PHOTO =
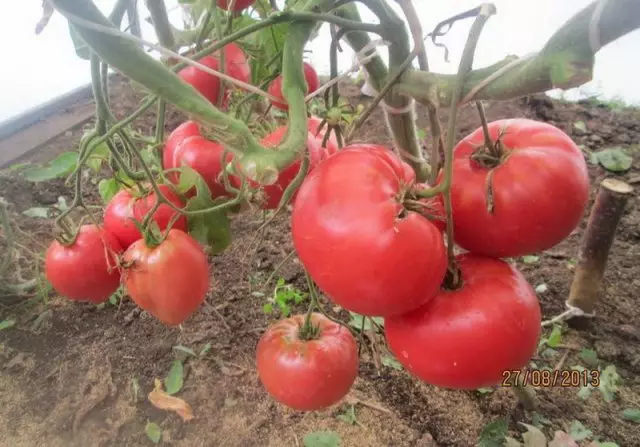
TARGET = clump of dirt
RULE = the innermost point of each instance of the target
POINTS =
(74, 374)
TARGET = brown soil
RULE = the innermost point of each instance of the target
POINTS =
(67, 370)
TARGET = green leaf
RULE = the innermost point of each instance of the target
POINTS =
(579, 432)
(533, 437)
(580, 125)
(349, 416)
(390, 361)
(185, 350)
(494, 434)
(267, 308)
(206, 348)
(153, 431)
(539, 420)
(61, 166)
(108, 188)
(484, 390)
(322, 439)
(530, 259)
(98, 155)
(614, 159)
(609, 381)
(555, 338)
(589, 356)
(174, 381)
(6, 324)
(79, 45)
(632, 414)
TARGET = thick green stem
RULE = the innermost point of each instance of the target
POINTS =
(161, 24)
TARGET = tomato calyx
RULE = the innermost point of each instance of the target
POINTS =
(453, 278)
(308, 331)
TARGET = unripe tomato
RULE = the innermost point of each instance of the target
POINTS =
(275, 88)
(529, 201)
(175, 138)
(87, 269)
(364, 249)
(239, 5)
(169, 281)
(124, 207)
(307, 375)
(468, 337)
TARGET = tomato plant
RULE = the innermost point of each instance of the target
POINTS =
(467, 338)
(127, 207)
(170, 280)
(176, 137)
(275, 88)
(308, 371)
(525, 199)
(239, 5)
(86, 269)
(353, 234)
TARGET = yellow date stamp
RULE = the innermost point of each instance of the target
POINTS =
(547, 378)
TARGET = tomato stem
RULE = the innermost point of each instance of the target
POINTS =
(493, 148)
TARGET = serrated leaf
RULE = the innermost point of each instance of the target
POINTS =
(614, 159)
(322, 439)
(578, 431)
(530, 259)
(108, 188)
(185, 350)
(61, 166)
(555, 338)
(175, 379)
(391, 362)
(494, 434)
(580, 125)
(609, 382)
(533, 437)
(589, 356)
(153, 431)
(632, 414)
(6, 324)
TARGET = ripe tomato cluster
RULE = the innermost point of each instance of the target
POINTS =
(360, 236)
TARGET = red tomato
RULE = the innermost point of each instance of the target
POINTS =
(169, 281)
(307, 375)
(87, 269)
(239, 5)
(179, 134)
(203, 156)
(208, 85)
(352, 233)
(540, 190)
(124, 207)
(275, 191)
(332, 143)
(275, 88)
(467, 338)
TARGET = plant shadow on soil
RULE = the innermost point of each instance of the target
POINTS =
(68, 380)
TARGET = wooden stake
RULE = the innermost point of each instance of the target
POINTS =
(596, 243)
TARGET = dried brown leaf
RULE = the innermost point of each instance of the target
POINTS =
(160, 399)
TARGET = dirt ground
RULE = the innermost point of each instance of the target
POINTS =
(67, 371)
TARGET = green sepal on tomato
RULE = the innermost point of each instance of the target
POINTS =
(529, 200)
(307, 374)
(275, 87)
(127, 207)
(87, 269)
(170, 280)
(355, 237)
(467, 338)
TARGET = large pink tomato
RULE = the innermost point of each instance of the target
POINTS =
(469, 337)
(527, 201)
(363, 248)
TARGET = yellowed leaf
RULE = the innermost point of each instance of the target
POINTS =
(160, 399)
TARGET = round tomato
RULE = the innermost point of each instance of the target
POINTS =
(124, 208)
(169, 281)
(468, 337)
(307, 375)
(314, 128)
(275, 88)
(526, 202)
(205, 157)
(353, 235)
(87, 269)
(208, 85)
(239, 5)
(179, 134)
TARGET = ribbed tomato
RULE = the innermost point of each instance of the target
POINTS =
(356, 239)
(526, 202)
(125, 207)
(467, 338)
(175, 138)
(275, 88)
(307, 375)
(87, 269)
(171, 280)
